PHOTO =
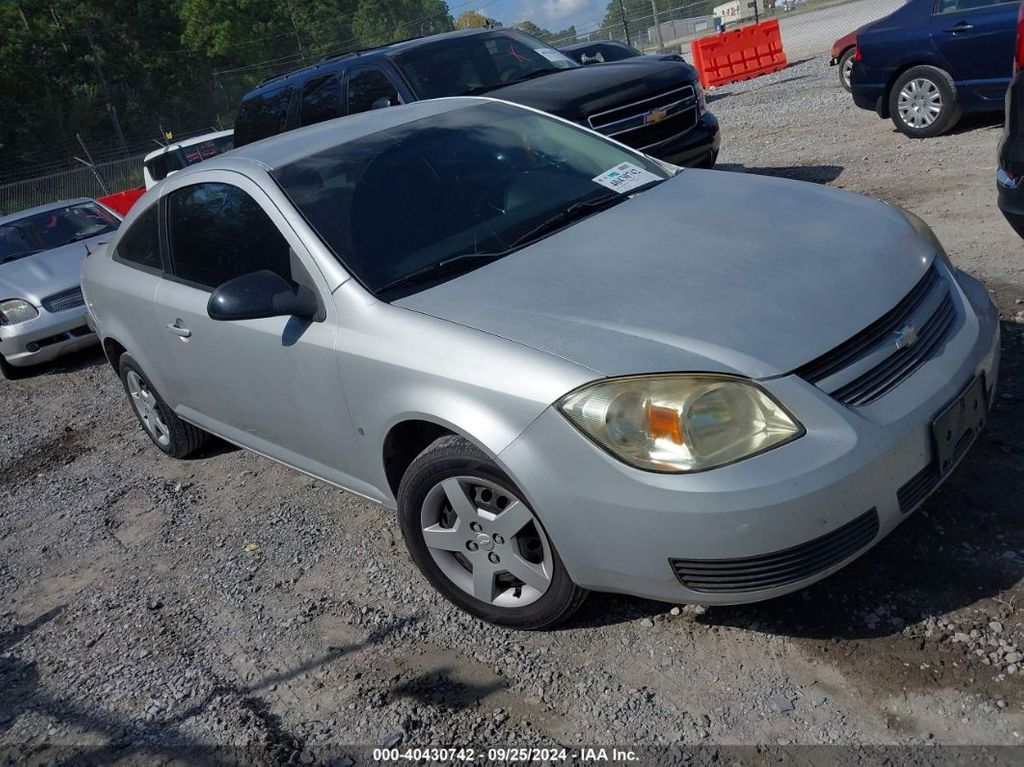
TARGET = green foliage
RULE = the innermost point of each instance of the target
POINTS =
(178, 65)
(561, 37)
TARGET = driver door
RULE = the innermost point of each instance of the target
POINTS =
(272, 384)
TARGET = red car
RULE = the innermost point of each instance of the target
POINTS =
(843, 50)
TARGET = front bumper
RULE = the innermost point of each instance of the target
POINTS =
(617, 528)
(698, 146)
(46, 337)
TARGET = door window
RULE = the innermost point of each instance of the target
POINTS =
(949, 6)
(218, 232)
(321, 100)
(367, 88)
(140, 244)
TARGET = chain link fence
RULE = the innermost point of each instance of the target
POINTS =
(86, 181)
(808, 27)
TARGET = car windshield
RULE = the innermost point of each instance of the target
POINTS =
(465, 66)
(468, 185)
(53, 228)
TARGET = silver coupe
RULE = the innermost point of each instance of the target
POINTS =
(568, 366)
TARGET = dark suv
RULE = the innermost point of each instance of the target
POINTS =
(655, 106)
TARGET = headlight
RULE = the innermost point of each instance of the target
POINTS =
(679, 423)
(928, 235)
(15, 310)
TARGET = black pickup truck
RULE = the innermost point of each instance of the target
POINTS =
(655, 106)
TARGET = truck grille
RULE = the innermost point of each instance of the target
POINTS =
(651, 121)
(769, 571)
(61, 302)
(874, 362)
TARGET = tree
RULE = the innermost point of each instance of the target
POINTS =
(562, 37)
(474, 19)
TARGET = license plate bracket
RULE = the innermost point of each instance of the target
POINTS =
(956, 427)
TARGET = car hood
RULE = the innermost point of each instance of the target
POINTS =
(577, 93)
(710, 271)
(33, 278)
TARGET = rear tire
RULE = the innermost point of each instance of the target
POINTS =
(922, 102)
(10, 372)
(846, 68)
(175, 437)
(455, 496)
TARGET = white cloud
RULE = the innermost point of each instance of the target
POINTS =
(553, 10)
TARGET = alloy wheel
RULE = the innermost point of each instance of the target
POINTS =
(145, 404)
(847, 70)
(486, 541)
(919, 103)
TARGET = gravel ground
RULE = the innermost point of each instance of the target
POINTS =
(148, 604)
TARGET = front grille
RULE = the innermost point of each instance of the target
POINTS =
(633, 124)
(929, 307)
(917, 488)
(67, 299)
(769, 571)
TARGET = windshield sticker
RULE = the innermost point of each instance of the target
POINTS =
(552, 55)
(625, 177)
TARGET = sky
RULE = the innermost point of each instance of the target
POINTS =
(550, 14)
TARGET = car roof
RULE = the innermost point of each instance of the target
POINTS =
(43, 209)
(187, 142)
(389, 49)
(283, 148)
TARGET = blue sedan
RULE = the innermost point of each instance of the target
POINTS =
(927, 63)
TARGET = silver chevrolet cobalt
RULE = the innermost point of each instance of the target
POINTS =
(568, 366)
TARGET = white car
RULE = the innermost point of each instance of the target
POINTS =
(159, 164)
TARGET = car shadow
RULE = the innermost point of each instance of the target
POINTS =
(84, 359)
(818, 174)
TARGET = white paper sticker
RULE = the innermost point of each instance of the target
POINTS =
(552, 55)
(625, 177)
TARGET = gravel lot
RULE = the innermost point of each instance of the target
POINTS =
(148, 604)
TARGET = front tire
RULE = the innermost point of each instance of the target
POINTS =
(10, 372)
(477, 541)
(922, 102)
(846, 68)
(173, 436)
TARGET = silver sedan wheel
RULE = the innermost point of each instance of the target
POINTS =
(486, 541)
(145, 404)
(919, 103)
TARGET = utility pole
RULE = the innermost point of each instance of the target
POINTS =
(298, 37)
(90, 29)
(625, 22)
(657, 26)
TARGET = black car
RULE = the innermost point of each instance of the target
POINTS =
(603, 51)
(655, 106)
(1010, 175)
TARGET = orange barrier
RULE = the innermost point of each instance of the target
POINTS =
(739, 55)
(122, 202)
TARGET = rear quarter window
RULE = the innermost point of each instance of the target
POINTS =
(139, 246)
(263, 115)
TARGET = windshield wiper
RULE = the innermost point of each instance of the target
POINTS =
(530, 76)
(440, 267)
(574, 212)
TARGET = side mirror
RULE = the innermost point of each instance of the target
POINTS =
(261, 294)
(382, 103)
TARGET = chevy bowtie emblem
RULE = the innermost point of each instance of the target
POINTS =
(655, 116)
(906, 336)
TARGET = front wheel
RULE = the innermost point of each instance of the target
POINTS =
(922, 102)
(478, 542)
(9, 371)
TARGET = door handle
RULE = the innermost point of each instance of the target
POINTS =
(178, 330)
(963, 26)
